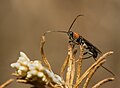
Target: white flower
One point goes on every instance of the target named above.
(31, 66)
(23, 68)
(21, 73)
(29, 75)
(24, 56)
(25, 63)
(15, 65)
(33, 72)
(21, 59)
(40, 74)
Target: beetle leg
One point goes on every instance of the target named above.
(72, 44)
(88, 57)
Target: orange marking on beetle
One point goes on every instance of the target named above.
(76, 35)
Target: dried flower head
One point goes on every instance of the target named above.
(34, 71)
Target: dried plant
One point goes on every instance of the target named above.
(6, 83)
(34, 73)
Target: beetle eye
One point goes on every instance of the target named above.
(71, 33)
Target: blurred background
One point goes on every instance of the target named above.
(22, 23)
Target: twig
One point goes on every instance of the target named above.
(103, 82)
(43, 54)
(92, 71)
(69, 69)
(93, 65)
(73, 67)
(6, 83)
(79, 65)
(64, 65)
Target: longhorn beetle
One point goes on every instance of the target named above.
(77, 39)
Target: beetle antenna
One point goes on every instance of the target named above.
(54, 31)
(69, 28)
(74, 22)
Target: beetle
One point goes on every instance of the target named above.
(77, 39)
